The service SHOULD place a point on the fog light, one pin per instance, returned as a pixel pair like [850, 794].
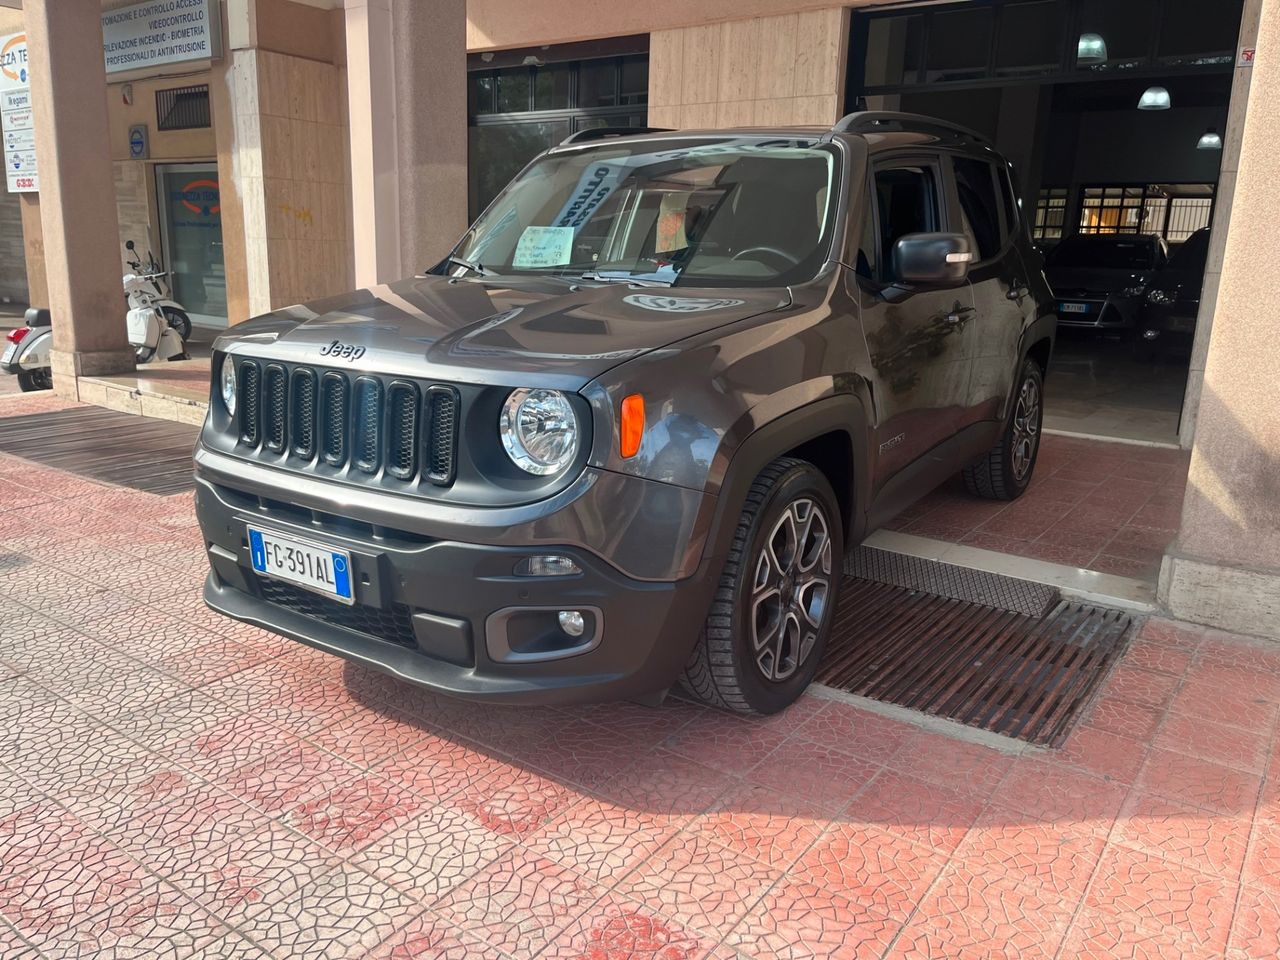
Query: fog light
[552, 566]
[572, 623]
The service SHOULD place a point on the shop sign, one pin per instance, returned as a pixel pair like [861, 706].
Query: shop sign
[1246, 57]
[17, 127]
[139, 144]
[160, 32]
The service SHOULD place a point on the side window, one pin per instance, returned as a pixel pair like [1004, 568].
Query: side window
[978, 204]
[907, 202]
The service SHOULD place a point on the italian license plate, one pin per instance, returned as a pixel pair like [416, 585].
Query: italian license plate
[317, 568]
[10, 352]
[1074, 307]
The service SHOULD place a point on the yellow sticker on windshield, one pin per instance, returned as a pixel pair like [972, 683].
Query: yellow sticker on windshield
[544, 247]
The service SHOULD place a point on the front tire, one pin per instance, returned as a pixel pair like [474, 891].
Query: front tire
[1005, 472]
[178, 321]
[768, 625]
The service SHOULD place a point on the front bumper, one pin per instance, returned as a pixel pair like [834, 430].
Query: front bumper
[1102, 313]
[452, 615]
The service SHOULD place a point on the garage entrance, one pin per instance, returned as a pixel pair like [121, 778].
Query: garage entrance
[1113, 114]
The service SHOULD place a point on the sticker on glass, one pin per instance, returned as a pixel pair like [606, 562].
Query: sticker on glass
[544, 247]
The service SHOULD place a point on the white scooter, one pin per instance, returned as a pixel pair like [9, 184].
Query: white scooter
[152, 338]
[175, 314]
[27, 352]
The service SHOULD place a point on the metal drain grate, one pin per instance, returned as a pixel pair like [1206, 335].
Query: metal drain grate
[1009, 673]
[950, 580]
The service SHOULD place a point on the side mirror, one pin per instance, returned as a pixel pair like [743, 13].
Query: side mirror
[932, 258]
[128, 245]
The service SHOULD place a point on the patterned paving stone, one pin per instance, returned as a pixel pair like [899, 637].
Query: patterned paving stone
[519, 903]
[513, 803]
[971, 913]
[427, 937]
[1101, 935]
[1199, 782]
[354, 814]
[1204, 841]
[602, 840]
[771, 827]
[1159, 895]
[158, 922]
[433, 853]
[802, 921]
[922, 812]
[709, 887]
[1255, 928]
[618, 928]
[871, 867]
[816, 771]
[339, 914]
[245, 877]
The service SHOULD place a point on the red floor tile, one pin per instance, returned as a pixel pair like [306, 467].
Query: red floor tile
[817, 772]
[601, 840]
[858, 732]
[519, 903]
[761, 823]
[1154, 893]
[1243, 749]
[427, 937]
[354, 814]
[1106, 754]
[615, 928]
[1200, 783]
[709, 887]
[922, 812]
[870, 866]
[1255, 929]
[1102, 935]
[802, 921]
[1043, 791]
[1206, 842]
[953, 764]
[969, 913]
[1127, 719]
[1145, 687]
[1058, 858]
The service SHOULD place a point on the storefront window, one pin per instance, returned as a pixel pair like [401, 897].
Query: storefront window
[517, 112]
[1189, 37]
[959, 45]
[1030, 38]
[893, 50]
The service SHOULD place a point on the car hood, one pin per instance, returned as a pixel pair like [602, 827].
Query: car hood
[1078, 281]
[543, 332]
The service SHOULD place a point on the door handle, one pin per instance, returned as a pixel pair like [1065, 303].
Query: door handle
[959, 315]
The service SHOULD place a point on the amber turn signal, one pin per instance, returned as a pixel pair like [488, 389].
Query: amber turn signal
[632, 428]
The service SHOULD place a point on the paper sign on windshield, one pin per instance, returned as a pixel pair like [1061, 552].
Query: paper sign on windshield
[544, 247]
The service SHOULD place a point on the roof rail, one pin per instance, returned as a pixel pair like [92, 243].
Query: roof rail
[603, 133]
[872, 121]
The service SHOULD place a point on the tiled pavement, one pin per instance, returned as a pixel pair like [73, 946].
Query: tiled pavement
[175, 785]
[1109, 507]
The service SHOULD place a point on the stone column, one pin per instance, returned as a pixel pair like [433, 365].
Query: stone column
[407, 96]
[1224, 568]
[77, 191]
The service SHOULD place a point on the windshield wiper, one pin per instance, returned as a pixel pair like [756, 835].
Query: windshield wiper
[622, 276]
[476, 268]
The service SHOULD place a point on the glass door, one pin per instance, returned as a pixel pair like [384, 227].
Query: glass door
[191, 235]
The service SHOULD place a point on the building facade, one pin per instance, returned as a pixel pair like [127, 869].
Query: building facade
[327, 144]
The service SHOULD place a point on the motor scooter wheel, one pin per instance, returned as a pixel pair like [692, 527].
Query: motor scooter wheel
[29, 380]
[178, 321]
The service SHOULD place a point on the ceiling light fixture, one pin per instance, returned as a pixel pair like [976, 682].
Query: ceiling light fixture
[1155, 98]
[1211, 140]
[1091, 49]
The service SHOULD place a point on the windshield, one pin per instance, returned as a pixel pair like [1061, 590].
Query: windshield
[710, 213]
[1116, 253]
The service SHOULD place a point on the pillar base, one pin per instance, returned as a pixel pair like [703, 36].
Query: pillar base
[69, 366]
[1233, 598]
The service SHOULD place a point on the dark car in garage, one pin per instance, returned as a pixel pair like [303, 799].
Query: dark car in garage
[1100, 282]
[1173, 299]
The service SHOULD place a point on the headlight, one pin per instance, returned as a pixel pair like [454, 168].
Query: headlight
[1132, 291]
[539, 430]
[228, 382]
[1159, 296]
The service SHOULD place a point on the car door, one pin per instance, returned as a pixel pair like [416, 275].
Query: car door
[986, 213]
[914, 334]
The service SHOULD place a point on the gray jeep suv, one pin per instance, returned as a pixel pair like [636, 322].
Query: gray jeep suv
[621, 437]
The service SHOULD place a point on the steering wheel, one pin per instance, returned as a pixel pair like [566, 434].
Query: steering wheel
[788, 260]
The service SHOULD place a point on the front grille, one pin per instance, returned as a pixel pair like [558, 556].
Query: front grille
[392, 625]
[367, 425]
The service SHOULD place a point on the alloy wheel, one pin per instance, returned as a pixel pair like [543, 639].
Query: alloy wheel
[790, 589]
[1026, 428]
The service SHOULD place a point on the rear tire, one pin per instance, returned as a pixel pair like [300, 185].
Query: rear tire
[29, 380]
[773, 608]
[1004, 473]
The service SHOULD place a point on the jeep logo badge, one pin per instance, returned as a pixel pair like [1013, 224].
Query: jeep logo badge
[343, 351]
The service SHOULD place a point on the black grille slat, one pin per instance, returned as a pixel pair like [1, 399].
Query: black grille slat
[442, 428]
[275, 396]
[402, 430]
[368, 413]
[391, 429]
[250, 402]
[333, 417]
[391, 625]
[302, 413]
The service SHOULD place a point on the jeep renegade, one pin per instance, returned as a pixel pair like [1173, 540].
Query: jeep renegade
[622, 435]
